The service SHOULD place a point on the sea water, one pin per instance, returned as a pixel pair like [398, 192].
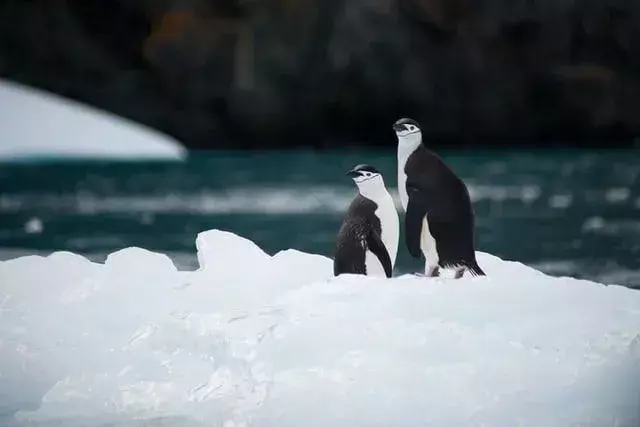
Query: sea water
[574, 213]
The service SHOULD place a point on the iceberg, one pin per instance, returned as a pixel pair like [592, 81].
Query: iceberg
[253, 339]
[35, 125]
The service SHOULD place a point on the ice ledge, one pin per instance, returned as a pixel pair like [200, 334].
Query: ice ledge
[38, 125]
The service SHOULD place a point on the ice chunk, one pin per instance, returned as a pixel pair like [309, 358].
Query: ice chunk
[223, 252]
[236, 275]
[33, 226]
[251, 339]
[292, 267]
[36, 124]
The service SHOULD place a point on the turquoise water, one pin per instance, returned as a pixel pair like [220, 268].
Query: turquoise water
[573, 213]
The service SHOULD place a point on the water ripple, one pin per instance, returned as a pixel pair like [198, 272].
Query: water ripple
[281, 200]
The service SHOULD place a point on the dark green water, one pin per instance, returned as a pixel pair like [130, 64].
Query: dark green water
[573, 213]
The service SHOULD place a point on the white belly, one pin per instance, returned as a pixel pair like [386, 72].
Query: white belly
[389, 225]
[428, 246]
[373, 265]
[402, 188]
[403, 155]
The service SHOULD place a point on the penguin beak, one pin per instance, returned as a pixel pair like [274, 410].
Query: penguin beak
[353, 173]
[399, 127]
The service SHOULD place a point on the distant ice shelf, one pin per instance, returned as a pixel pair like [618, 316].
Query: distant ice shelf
[250, 339]
[36, 125]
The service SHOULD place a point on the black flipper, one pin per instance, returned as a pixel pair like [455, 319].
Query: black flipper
[380, 251]
[416, 211]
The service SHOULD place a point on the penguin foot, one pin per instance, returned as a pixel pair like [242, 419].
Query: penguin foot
[459, 273]
[433, 271]
[430, 272]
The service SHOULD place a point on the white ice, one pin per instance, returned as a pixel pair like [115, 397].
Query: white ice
[35, 124]
[251, 339]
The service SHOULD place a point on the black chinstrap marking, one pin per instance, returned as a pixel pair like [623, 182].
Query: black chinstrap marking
[365, 168]
[368, 179]
[407, 134]
[406, 121]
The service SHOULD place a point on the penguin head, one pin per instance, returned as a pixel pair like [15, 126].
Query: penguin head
[408, 131]
[366, 177]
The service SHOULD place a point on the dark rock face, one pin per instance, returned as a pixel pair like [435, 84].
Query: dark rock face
[233, 73]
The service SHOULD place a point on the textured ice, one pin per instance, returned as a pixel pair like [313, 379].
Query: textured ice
[251, 339]
[35, 124]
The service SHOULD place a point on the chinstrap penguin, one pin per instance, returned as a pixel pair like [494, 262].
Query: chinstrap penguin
[367, 242]
[439, 216]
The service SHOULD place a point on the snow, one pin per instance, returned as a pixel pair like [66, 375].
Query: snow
[35, 124]
[251, 339]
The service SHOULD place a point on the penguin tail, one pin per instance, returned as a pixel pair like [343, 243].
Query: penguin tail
[475, 270]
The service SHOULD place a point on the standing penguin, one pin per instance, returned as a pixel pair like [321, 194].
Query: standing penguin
[367, 242]
[439, 217]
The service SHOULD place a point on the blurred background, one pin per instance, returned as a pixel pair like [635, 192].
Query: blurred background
[534, 103]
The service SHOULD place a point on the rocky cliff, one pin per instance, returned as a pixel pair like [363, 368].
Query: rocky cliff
[330, 72]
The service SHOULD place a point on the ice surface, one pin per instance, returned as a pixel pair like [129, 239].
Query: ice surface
[251, 339]
[37, 124]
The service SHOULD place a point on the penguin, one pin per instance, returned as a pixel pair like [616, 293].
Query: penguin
[367, 242]
[439, 218]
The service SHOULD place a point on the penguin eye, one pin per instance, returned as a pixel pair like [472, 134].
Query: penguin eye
[412, 128]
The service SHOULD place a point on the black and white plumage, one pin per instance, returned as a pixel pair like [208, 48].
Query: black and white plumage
[367, 242]
[439, 216]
